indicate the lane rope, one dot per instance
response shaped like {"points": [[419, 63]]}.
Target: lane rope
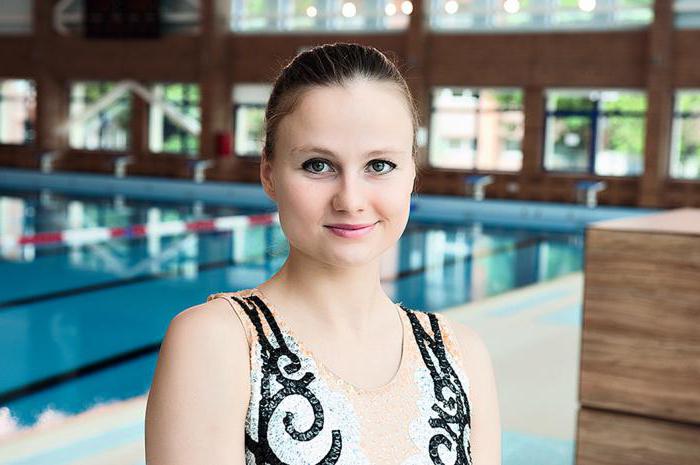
{"points": [[83, 236]]}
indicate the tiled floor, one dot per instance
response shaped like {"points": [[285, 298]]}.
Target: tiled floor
{"points": [[533, 335]]}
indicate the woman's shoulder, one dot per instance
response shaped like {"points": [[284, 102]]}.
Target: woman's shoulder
{"points": [[215, 317], [471, 343], [483, 392], [459, 338], [203, 369], [456, 329]]}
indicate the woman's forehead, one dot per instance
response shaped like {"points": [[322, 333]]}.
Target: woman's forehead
{"points": [[358, 92], [368, 107]]}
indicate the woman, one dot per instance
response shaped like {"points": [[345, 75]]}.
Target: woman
{"points": [[317, 364]]}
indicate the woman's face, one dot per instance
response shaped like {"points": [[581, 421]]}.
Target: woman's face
{"points": [[343, 156]]}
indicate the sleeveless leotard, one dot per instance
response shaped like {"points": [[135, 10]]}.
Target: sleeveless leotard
{"points": [[302, 413]]}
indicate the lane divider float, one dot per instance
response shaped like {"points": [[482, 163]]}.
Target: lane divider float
{"points": [[83, 236]]}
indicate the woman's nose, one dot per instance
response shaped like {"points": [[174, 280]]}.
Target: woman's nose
{"points": [[350, 193]]}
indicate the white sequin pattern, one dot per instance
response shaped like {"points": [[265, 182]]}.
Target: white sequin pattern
{"points": [[337, 410], [387, 442], [419, 429]]}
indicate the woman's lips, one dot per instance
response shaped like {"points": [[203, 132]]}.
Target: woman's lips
{"points": [[351, 233]]}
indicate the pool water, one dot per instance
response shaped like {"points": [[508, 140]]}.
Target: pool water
{"points": [[81, 325]]}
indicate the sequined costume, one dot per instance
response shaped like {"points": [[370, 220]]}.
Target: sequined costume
{"points": [[302, 413]]}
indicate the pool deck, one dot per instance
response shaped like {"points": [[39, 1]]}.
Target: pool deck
{"points": [[533, 335]]}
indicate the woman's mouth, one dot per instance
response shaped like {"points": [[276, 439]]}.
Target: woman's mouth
{"points": [[351, 233]]}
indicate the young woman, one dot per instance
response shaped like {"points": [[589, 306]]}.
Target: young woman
{"points": [[317, 365]]}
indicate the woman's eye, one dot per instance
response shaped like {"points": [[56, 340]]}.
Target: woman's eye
{"points": [[382, 163], [314, 162], [318, 163]]}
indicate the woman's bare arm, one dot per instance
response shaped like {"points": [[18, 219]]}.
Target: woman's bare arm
{"points": [[195, 414], [485, 414]]}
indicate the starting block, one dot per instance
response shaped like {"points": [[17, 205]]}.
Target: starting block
{"points": [[199, 168], [587, 192], [477, 183]]}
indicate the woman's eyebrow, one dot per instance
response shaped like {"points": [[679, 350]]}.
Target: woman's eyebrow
{"points": [[330, 153]]}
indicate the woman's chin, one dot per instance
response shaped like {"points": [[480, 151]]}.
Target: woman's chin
{"points": [[351, 258]]}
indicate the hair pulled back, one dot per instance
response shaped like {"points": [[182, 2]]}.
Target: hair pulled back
{"points": [[328, 65]]}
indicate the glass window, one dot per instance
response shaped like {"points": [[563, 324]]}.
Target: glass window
{"points": [[17, 111], [174, 133], [100, 114], [15, 17], [685, 149], [175, 16], [476, 128], [249, 101], [595, 131], [686, 14], [265, 16], [179, 16], [518, 15]]}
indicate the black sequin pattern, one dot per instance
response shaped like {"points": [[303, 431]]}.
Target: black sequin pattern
{"points": [[272, 355], [451, 411]]}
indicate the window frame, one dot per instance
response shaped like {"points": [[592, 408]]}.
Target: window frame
{"points": [[594, 115], [432, 21], [330, 8], [28, 142], [431, 133], [246, 155], [674, 144], [197, 153], [129, 137]]}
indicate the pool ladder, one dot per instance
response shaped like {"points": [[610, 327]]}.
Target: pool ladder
{"points": [[478, 183]]}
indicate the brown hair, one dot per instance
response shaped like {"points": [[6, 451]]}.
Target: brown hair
{"points": [[330, 65]]}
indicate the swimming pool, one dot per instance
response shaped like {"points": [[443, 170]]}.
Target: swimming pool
{"points": [[84, 322]]}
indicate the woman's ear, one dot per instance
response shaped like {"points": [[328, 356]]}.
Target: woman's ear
{"points": [[266, 177]]}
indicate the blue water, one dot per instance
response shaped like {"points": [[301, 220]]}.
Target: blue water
{"points": [[82, 325]]}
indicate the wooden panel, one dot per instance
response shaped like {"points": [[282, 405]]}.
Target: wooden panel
{"points": [[679, 221], [640, 348], [172, 58], [17, 57], [544, 59], [606, 438], [18, 156], [659, 93], [686, 56], [258, 58], [216, 59]]}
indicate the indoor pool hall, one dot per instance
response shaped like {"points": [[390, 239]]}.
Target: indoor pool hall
{"points": [[409, 232]]}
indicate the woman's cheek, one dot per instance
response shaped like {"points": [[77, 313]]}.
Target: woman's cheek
{"points": [[399, 201], [301, 206]]}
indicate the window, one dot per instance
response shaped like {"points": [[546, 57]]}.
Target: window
{"points": [[249, 101], [180, 16], [15, 17], [686, 14], [685, 148], [595, 131], [17, 111], [476, 129], [176, 16], [264, 16], [173, 133], [99, 115], [542, 15]]}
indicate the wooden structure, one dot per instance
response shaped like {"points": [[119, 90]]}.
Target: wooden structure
{"points": [[657, 59], [640, 354]]}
